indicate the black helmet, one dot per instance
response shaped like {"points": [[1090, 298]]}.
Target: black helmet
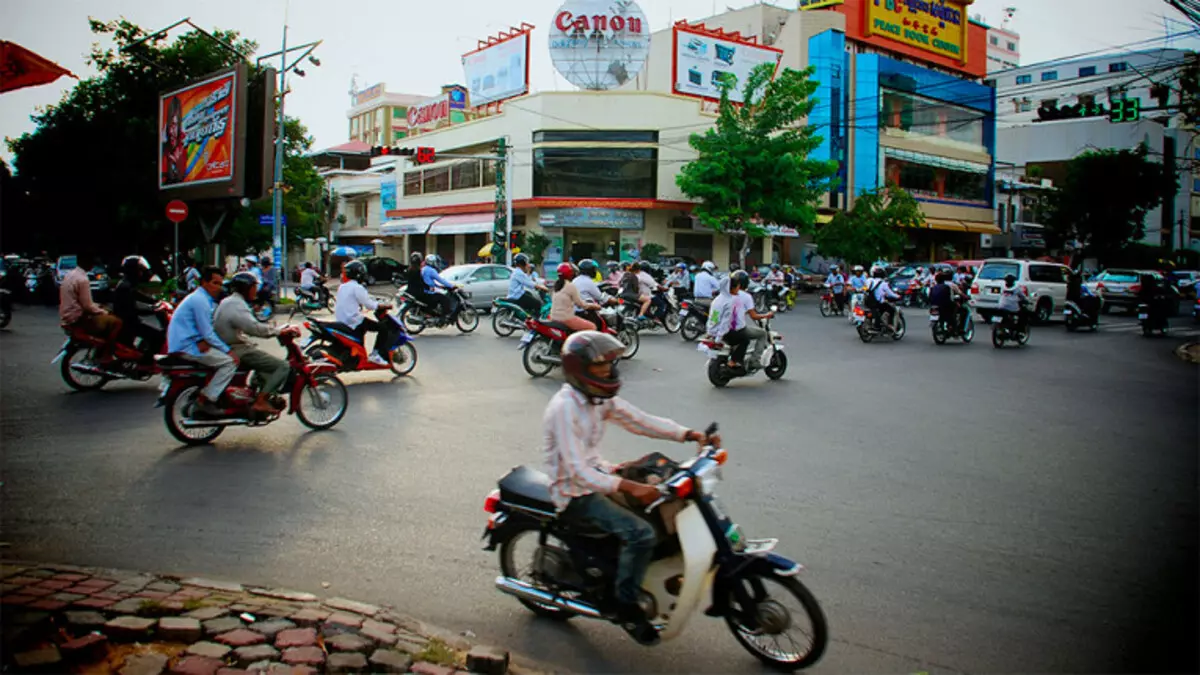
{"points": [[733, 267], [775, 266], [355, 270], [878, 273], [133, 266], [243, 283], [587, 348], [1010, 279], [520, 260], [739, 279], [588, 267], [416, 258], [644, 265]]}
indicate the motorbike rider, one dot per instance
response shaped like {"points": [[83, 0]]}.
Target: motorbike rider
{"points": [[252, 267], [233, 321], [707, 285], [352, 298], [270, 282], [614, 273], [879, 293], [423, 280], [521, 287], [310, 279], [77, 310], [191, 277], [130, 304], [190, 336], [858, 282], [680, 280], [837, 285], [647, 286], [743, 330], [1082, 296], [566, 298], [573, 426], [585, 282], [630, 288], [943, 296], [776, 283], [1012, 301]]}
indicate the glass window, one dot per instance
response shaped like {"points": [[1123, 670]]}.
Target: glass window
{"points": [[435, 180], [1119, 67], [1049, 75], [1047, 274], [400, 112], [937, 182], [994, 271], [465, 175], [928, 117], [1012, 46], [1024, 79], [482, 274], [595, 172], [412, 183], [501, 273], [618, 136], [1087, 71], [1196, 185], [995, 40], [489, 173]]}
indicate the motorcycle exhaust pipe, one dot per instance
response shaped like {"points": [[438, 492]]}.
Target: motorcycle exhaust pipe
{"points": [[93, 370], [520, 589], [200, 424]]}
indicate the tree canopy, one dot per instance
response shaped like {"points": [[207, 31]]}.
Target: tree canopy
{"points": [[753, 167], [870, 230]]}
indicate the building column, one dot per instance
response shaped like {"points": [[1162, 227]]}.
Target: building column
{"points": [[768, 250], [460, 248]]}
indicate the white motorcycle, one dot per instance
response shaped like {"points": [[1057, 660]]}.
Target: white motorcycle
{"points": [[773, 362], [560, 570]]}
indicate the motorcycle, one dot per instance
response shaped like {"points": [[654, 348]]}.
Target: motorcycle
{"points": [[1075, 318], [315, 395], [508, 316], [1009, 329], [315, 300], [943, 328], [916, 295], [417, 316], [829, 305], [6, 307], [80, 370], [773, 362], [760, 295], [693, 320], [541, 345], [856, 301], [870, 326], [336, 343], [1152, 319], [665, 315], [560, 570]]}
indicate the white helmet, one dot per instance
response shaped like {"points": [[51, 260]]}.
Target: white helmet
{"points": [[858, 268], [431, 259], [709, 266], [252, 259]]}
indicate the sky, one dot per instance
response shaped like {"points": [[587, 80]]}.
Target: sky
{"points": [[416, 46]]}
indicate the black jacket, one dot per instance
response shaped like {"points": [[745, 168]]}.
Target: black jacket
{"points": [[125, 299]]}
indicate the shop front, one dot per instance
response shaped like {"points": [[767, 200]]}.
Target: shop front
{"points": [[602, 234], [458, 238]]}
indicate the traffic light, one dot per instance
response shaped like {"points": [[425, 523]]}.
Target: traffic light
{"points": [[1126, 110], [422, 155], [513, 242], [425, 155]]}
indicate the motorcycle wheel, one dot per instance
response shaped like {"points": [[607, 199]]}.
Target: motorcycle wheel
{"points": [[715, 375], [499, 318], [265, 311], [776, 615], [777, 367], [691, 328], [467, 319], [75, 379], [968, 333], [632, 341], [177, 408], [826, 310], [404, 359], [1145, 330], [412, 320], [322, 404], [509, 567], [997, 338], [864, 333], [5, 318], [1023, 336], [939, 333], [901, 329], [540, 346], [672, 322]]}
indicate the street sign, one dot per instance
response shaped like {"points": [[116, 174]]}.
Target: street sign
{"points": [[177, 211], [270, 220]]}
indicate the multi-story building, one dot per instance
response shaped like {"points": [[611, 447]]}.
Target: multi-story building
{"points": [[1003, 49], [900, 100]]}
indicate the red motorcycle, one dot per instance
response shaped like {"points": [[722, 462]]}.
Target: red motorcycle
{"points": [[337, 343], [542, 342], [829, 303], [315, 394], [82, 370]]}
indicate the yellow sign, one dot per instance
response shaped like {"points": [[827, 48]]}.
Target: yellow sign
{"points": [[818, 4], [936, 26]]}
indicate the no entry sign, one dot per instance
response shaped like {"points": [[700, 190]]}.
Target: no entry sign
{"points": [[177, 211]]}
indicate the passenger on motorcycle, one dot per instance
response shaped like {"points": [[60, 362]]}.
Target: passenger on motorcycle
{"points": [[352, 298], [776, 283], [879, 292], [680, 280], [522, 287], [423, 280], [837, 284], [76, 310], [130, 304], [741, 330], [589, 292], [614, 273], [190, 336], [269, 282], [233, 321], [573, 426], [942, 296], [630, 288], [707, 285], [1012, 301], [191, 277], [566, 298], [646, 288]]}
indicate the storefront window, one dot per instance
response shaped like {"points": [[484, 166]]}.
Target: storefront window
{"points": [[435, 180], [412, 183], [618, 136], [489, 173], [937, 182], [465, 175], [927, 117], [595, 172]]}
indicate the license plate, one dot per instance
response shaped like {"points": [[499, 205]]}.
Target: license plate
{"points": [[1143, 316], [994, 291], [683, 312], [527, 338], [933, 318], [1066, 312]]}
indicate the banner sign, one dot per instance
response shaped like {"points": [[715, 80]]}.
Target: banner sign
{"points": [[935, 26], [704, 58], [498, 71], [367, 94], [429, 113], [387, 193], [197, 132], [599, 45], [818, 4], [607, 219]]}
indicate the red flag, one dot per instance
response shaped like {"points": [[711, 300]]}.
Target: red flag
{"points": [[20, 68]]}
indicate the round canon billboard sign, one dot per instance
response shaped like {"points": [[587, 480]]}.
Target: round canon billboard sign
{"points": [[599, 44]]}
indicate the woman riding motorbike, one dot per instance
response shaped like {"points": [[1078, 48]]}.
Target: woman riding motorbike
{"points": [[566, 298]]}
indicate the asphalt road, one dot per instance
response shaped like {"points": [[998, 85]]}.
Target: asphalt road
{"points": [[958, 508]]}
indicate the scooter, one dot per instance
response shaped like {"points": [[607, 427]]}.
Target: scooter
{"points": [[541, 346], [1075, 318], [943, 329], [316, 396], [509, 317], [829, 305], [1152, 320], [81, 370], [315, 300], [870, 327], [665, 315], [703, 562], [1009, 329], [773, 361], [417, 316], [336, 343], [693, 318]]}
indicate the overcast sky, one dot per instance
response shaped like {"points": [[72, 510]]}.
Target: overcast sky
{"points": [[415, 46]]}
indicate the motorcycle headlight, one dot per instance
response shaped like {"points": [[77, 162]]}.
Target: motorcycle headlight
{"points": [[708, 482]]}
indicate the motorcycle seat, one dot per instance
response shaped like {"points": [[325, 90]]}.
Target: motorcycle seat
{"points": [[176, 362], [556, 324], [527, 487]]}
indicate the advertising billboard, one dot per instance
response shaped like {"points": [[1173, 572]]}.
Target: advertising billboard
{"points": [[704, 58], [202, 136], [599, 45], [818, 4], [499, 70], [935, 26], [430, 112], [368, 94]]}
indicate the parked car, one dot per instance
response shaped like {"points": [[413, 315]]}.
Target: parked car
{"points": [[1044, 282], [1118, 287], [381, 269], [1185, 281], [484, 282]]}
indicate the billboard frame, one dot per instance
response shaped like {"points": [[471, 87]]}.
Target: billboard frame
{"points": [[524, 29], [683, 26], [235, 185]]}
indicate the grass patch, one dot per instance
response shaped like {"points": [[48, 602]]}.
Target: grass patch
{"points": [[192, 604], [437, 652], [152, 607]]}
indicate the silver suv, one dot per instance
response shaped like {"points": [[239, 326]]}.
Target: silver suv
{"points": [[1045, 283]]}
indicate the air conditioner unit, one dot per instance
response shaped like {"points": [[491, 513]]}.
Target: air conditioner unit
{"points": [[985, 241]]}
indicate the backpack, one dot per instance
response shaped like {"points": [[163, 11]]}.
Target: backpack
{"points": [[869, 295]]}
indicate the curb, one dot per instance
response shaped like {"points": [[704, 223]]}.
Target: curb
{"points": [[57, 617], [1189, 352]]}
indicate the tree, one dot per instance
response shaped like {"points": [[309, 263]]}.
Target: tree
{"points": [[1103, 202], [535, 247], [652, 251], [870, 230], [753, 167]]}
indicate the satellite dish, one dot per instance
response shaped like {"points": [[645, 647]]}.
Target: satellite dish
{"points": [[599, 45]]}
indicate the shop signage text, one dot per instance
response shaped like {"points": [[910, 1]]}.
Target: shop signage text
{"points": [[608, 24], [607, 219], [368, 94], [599, 45], [818, 4], [937, 26], [429, 113]]}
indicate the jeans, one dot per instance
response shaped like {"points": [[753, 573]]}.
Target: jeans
{"points": [[384, 338], [224, 366], [636, 535], [269, 371]]}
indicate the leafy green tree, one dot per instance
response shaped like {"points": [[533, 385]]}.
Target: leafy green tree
{"points": [[652, 251], [753, 166], [870, 230], [535, 245], [1103, 202]]}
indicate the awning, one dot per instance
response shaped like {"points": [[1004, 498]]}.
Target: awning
{"points": [[824, 218], [927, 159], [359, 232], [981, 227], [468, 223], [943, 224], [399, 226]]}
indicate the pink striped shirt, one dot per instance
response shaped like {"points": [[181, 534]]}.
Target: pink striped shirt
{"points": [[573, 429]]}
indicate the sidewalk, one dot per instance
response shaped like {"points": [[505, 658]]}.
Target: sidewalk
{"points": [[64, 618]]}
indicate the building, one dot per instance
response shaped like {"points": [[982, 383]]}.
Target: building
{"points": [[1003, 49], [901, 100], [1056, 111]]}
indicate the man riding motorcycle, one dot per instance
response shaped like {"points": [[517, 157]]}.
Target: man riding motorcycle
{"points": [[76, 310], [130, 304], [522, 287], [573, 427], [352, 298], [1012, 302], [680, 280], [837, 284], [879, 293], [423, 280], [233, 321], [943, 296], [776, 283], [707, 285], [734, 315], [190, 336], [589, 292]]}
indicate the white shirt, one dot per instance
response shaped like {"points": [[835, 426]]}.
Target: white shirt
{"points": [[646, 283], [883, 291], [588, 290], [775, 278], [351, 298], [743, 302], [679, 278], [308, 278], [257, 273], [707, 285]]}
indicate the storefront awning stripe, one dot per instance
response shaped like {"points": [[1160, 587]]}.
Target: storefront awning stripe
{"points": [[401, 226], [468, 223], [980, 227], [943, 224]]}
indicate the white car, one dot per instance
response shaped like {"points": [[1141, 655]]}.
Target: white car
{"points": [[1045, 283]]}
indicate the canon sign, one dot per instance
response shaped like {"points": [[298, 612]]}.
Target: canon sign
{"points": [[599, 23], [429, 113]]}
